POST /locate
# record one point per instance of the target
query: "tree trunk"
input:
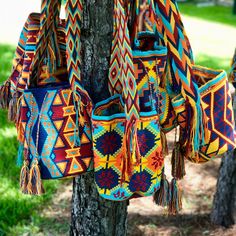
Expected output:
(224, 204)
(234, 7)
(92, 215)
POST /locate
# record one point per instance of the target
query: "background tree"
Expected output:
(92, 215)
(224, 204)
(234, 7)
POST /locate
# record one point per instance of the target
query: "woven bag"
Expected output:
(217, 103)
(54, 141)
(128, 159)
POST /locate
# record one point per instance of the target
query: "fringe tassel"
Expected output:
(24, 177)
(5, 95)
(177, 162)
(175, 201)
(161, 196)
(35, 186)
(164, 144)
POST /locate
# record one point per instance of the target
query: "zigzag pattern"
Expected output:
(217, 105)
(48, 120)
(47, 42)
(181, 75)
(121, 75)
(25, 55)
(74, 10)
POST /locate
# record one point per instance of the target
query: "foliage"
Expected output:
(221, 14)
(15, 208)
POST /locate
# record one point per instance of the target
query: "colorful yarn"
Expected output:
(180, 74)
(216, 99)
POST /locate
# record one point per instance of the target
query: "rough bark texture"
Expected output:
(224, 204)
(92, 215)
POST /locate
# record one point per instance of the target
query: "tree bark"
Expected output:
(224, 204)
(92, 215)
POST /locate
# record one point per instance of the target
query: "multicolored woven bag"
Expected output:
(124, 168)
(217, 103)
(53, 143)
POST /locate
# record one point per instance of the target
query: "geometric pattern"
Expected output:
(117, 177)
(218, 112)
(25, 53)
(48, 119)
(121, 71)
(52, 136)
(73, 10)
(149, 67)
(180, 78)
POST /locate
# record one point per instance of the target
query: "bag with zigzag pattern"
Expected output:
(218, 111)
(52, 141)
(128, 158)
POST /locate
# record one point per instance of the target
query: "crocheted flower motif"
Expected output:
(106, 178)
(157, 160)
(140, 182)
(109, 143)
(146, 141)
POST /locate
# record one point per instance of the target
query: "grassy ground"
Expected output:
(16, 209)
(221, 14)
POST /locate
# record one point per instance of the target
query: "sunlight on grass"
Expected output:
(221, 14)
(16, 209)
(213, 62)
(8, 132)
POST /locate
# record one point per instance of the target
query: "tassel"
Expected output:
(24, 177)
(161, 196)
(35, 186)
(5, 95)
(177, 162)
(175, 198)
(20, 154)
(164, 144)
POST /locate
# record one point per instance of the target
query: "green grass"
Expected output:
(16, 209)
(218, 14)
(213, 62)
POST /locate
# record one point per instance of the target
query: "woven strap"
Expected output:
(47, 46)
(74, 10)
(121, 73)
(181, 76)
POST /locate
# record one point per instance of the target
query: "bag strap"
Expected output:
(74, 9)
(122, 79)
(181, 76)
(47, 47)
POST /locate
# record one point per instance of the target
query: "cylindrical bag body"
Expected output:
(48, 114)
(118, 178)
(48, 119)
(217, 105)
(119, 175)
